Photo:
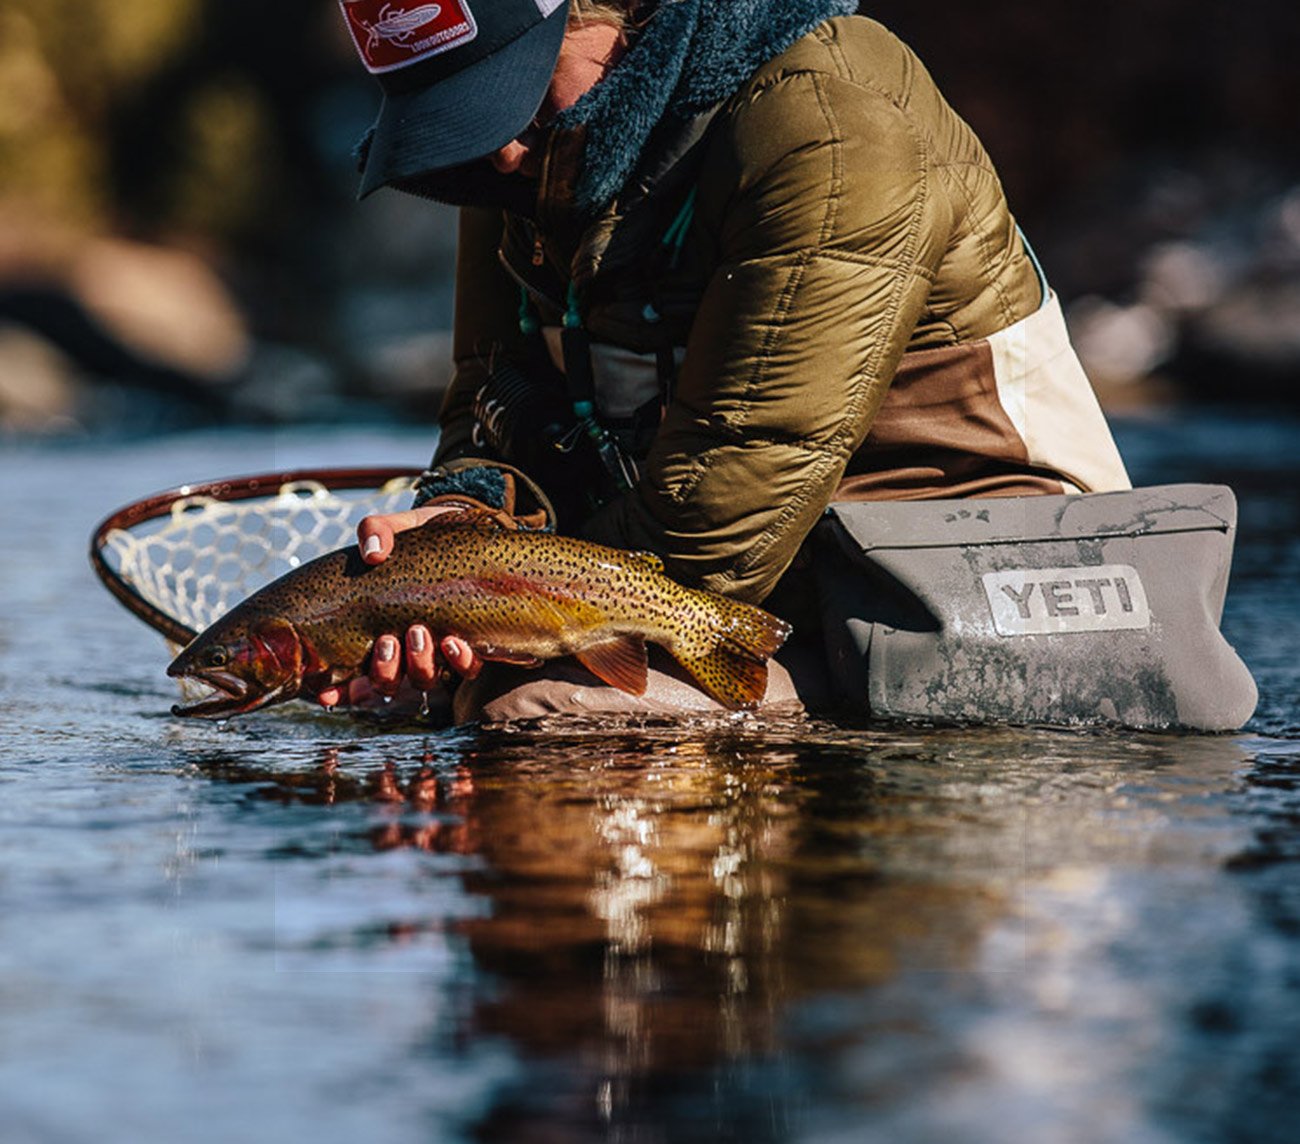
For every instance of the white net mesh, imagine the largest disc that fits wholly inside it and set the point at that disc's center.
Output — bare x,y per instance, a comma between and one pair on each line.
200,559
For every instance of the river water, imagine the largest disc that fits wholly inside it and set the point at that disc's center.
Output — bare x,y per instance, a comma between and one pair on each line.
300,926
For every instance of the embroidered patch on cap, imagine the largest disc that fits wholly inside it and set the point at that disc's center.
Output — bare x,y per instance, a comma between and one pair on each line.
391,34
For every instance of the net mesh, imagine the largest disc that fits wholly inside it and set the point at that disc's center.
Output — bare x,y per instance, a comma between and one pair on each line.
201,558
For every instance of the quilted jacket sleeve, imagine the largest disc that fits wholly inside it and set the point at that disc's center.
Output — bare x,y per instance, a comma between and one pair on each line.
487,317
828,237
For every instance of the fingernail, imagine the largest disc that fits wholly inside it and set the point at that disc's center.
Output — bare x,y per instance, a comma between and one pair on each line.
387,649
371,546
417,639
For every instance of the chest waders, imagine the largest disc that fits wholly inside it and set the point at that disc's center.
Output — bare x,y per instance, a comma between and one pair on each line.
1063,610
1091,608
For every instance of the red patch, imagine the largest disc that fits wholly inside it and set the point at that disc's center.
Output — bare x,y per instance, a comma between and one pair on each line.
396,33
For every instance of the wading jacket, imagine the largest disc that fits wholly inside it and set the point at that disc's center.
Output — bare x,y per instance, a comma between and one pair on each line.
814,292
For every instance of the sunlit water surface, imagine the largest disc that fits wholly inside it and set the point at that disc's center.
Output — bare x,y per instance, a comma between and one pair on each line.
298,926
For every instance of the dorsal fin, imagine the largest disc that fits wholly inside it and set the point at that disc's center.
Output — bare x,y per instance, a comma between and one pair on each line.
620,662
466,516
648,558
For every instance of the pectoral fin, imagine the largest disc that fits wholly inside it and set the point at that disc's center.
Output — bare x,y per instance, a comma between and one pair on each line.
620,662
503,655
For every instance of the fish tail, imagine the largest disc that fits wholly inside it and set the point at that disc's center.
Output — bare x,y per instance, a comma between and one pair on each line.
733,678
749,630
734,670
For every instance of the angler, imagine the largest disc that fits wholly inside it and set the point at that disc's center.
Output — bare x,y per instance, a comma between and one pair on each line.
737,286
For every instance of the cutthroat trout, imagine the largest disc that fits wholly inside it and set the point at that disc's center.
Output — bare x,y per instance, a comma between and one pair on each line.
514,597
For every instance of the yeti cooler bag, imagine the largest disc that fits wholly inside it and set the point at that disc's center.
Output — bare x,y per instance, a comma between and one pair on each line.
1064,610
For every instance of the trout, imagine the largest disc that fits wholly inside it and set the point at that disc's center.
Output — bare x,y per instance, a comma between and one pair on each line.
514,597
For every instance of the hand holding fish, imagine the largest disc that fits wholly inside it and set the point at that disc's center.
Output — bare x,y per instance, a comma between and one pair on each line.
414,665
415,658
375,533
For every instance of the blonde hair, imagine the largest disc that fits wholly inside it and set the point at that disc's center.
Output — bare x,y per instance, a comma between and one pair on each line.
616,12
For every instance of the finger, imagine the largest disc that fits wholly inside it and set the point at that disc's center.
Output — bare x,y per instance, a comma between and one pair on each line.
420,669
375,533
355,692
386,665
329,697
460,657
349,694
375,537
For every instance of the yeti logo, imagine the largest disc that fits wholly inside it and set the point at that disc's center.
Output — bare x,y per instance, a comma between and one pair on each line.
1043,601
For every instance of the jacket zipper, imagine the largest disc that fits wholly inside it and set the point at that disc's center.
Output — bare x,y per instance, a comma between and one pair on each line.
537,259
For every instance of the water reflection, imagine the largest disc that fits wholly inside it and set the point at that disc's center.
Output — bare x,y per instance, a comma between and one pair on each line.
677,917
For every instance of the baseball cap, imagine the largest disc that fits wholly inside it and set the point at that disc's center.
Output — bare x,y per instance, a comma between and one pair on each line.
461,78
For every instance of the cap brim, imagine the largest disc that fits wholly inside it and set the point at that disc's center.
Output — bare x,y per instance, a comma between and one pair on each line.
467,115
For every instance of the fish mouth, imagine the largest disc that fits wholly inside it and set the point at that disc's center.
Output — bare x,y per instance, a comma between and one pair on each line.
230,695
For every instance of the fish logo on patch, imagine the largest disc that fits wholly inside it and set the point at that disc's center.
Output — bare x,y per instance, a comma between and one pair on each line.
392,35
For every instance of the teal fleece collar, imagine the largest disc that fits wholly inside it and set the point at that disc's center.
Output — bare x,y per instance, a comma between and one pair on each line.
690,56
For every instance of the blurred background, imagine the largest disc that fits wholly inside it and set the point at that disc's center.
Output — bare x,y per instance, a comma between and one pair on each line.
180,242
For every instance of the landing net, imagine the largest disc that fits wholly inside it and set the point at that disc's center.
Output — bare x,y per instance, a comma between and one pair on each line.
182,558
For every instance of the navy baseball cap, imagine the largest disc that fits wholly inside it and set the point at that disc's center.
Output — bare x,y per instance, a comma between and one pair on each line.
461,78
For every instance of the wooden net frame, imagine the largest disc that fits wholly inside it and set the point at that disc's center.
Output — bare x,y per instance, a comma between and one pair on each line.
180,559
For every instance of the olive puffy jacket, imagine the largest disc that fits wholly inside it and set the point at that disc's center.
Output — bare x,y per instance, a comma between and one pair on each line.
830,264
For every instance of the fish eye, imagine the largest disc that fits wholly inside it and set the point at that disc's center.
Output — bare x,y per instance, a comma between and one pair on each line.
216,657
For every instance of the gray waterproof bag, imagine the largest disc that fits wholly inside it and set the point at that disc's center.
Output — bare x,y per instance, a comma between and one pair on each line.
1062,610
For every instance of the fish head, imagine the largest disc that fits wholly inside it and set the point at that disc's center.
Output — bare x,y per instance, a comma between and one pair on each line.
248,665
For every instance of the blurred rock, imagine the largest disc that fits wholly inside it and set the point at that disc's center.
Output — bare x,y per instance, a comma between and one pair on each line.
1181,277
1119,344
1285,223
1257,327
38,385
165,304
1192,271
403,236
374,313
284,384
122,315
412,373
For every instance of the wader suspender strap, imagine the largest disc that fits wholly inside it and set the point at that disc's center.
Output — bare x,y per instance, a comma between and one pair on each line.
575,347
671,246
